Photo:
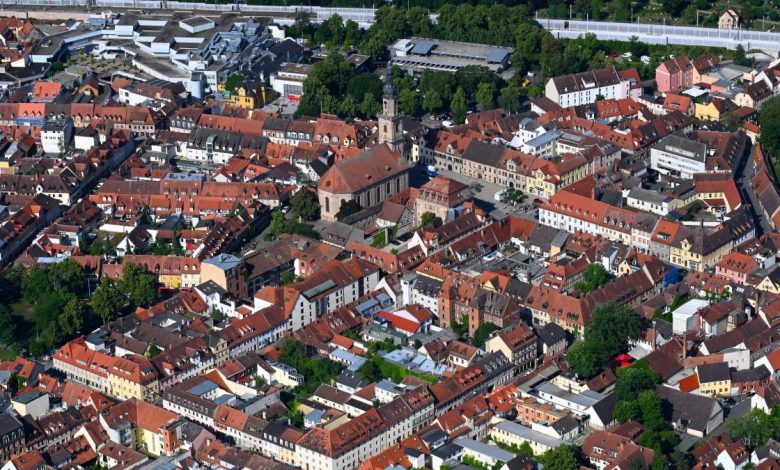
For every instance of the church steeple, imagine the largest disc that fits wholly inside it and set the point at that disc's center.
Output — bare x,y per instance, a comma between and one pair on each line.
390,126
389,95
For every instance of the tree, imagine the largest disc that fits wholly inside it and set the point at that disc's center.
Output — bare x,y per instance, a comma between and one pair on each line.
514,195
429,218
612,325
432,101
217,316
471,76
233,81
660,462
409,102
138,286
673,7
370,106
459,106
633,380
325,86
304,205
584,360
71,320
485,95
509,99
483,334
278,223
756,427
349,107
461,328
287,277
47,310
35,283
363,83
7,325
107,299
419,21
689,14
627,411
331,31
443,83
352,34
68,276
681,460
652,410
740,58
770,127
564,457
348,208
593,277
370,371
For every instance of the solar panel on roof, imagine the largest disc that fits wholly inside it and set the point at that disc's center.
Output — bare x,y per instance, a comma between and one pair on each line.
423,47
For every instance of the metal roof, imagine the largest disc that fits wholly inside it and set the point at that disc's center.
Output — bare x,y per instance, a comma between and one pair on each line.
423,47
498,55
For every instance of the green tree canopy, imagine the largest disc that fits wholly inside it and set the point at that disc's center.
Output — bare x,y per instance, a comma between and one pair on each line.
363,83
627,411
328,79
652,410
429,218
593,277
483,334
233,81
509,99
139,287
633,380
564,457
107,300
607,335
485,95
348,208
459,106
432,101
409,102
770,127
304,205
756,427
71,320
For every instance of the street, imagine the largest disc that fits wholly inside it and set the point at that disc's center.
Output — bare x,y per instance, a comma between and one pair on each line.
743,176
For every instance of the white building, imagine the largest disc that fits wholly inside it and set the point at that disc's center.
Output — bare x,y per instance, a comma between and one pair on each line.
676,155
528,129
56,135
288,81
586,87
649,201
684,318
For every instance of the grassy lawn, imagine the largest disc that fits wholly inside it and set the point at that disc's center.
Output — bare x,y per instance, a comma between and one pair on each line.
7,354
397,373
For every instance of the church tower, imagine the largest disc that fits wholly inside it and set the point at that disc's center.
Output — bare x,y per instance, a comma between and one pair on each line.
391,130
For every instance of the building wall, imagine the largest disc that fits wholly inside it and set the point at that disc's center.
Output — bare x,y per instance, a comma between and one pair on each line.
330,203
721,388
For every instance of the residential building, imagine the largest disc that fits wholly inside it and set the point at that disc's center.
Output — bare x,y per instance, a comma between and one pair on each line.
586,87
729,19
